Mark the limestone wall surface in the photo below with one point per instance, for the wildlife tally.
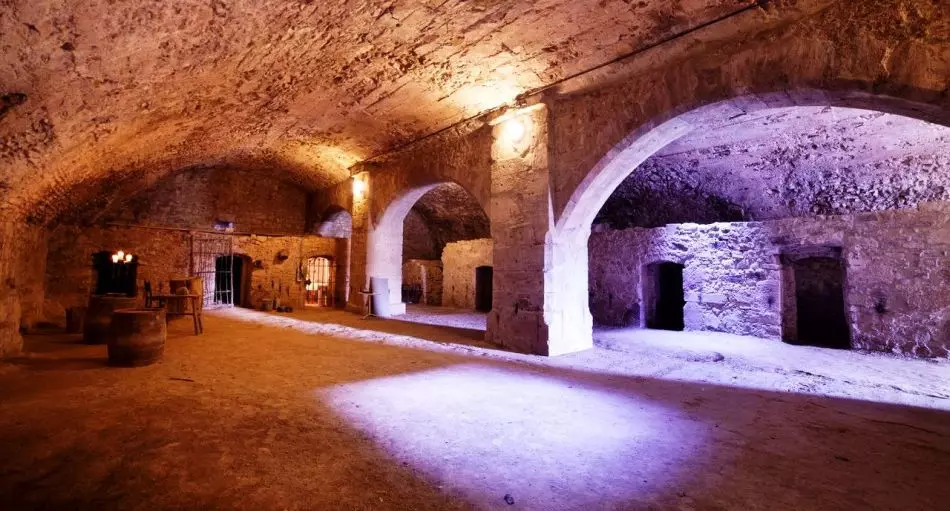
(426, 274)
(896, 275)
(459, 260)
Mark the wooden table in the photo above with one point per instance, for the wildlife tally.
(184, 300)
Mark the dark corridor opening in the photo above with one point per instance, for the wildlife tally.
(483, 288)
(229, 280)
(819, 301)
(663, 289)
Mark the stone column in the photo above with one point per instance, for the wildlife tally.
(540, 276)
(10, 340)
(360, 212)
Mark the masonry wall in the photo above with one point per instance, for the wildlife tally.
(896, 286)
(196, 199)
(459, 260)
(418, 241)
(426, 274)
(164, 254)
(22, 264)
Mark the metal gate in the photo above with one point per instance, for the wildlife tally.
(320, 282)
(211, 259)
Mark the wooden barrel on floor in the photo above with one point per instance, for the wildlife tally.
(137, 337)
(99, 316)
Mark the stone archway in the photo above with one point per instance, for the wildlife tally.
(386, 237)
(573, 226)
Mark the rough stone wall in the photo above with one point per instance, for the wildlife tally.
(195, 199)
(428, 276)
(164, 254)
(22, 263)
(418, 241)
(895, 264)
(459, 260)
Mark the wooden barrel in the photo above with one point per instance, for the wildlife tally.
(99, 316)
(137, 338)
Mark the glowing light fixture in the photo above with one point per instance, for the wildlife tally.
(514, 125)
(513, 130)
(121, 257)
(359, 187)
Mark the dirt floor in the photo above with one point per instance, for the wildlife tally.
(323, 410)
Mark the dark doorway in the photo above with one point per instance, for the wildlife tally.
(819, 302)
(483, 288)
(663, 290)
(229, 280)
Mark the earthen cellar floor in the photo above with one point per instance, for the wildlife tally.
(322, 410)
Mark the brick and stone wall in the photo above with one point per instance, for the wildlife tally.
(459, 260)
(427, 274)
(896, 275)
(196, 199)
(166, 253)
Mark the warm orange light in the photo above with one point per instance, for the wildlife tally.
(359, 187)
(513, 130)
(115, 258)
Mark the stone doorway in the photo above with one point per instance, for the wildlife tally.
(819, 302)
(663, 295)
(483, 288)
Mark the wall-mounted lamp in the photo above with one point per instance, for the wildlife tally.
(121, 257)
(514, 123)
(513, 130)
(359, 187)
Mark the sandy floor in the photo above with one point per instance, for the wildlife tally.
(322, 410)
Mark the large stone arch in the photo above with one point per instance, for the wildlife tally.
(385, 236)
(570, 232)
(872, 55)
(597, 185)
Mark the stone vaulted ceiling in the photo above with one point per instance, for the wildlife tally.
(110, 95)
(787, 162)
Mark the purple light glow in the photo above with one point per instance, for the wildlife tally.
(486, 431)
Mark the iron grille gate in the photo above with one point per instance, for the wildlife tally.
(212, 259)
(320, 282)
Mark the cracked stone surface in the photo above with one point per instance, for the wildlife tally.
(108, 95)
(787, 162)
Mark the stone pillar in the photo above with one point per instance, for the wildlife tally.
(10, 340)
(359, 243)
(540, 276)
